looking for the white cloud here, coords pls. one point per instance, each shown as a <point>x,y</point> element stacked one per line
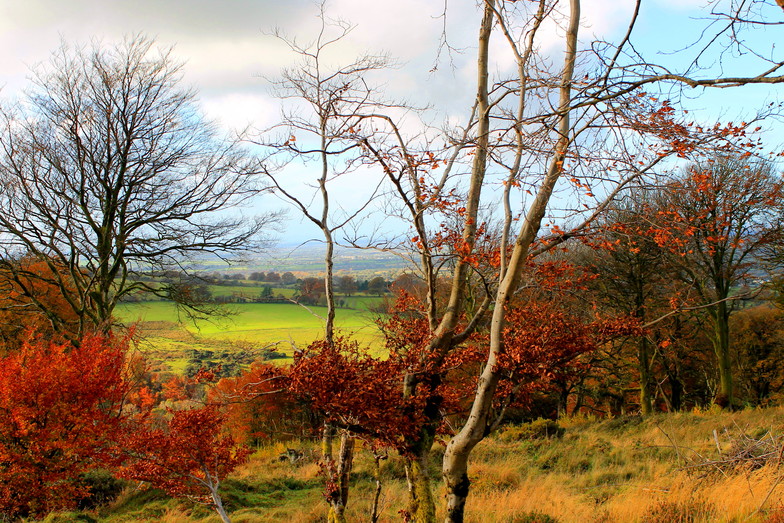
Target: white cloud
<point>238,111</point>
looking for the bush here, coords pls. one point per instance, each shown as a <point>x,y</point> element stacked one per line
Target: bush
<point>104,488</point>
<point>537,429</point>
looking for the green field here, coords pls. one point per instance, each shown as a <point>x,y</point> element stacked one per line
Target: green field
<point>249,291</point>
<point>168,339</point>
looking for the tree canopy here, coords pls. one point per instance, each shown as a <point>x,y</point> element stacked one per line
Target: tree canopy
<point>108,169</point>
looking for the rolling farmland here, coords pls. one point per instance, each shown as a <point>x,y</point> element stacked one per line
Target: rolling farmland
<point>168,339</point>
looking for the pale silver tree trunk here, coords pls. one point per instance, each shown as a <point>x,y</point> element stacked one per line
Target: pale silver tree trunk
<point>218,505</point>
<point>212,482</point>
<point>455,465</point>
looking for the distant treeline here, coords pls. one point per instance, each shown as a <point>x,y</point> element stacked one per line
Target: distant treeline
<point>262,287</point>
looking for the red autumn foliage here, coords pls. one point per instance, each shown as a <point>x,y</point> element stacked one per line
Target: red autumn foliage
<point>540,341</point>
<point>364,395</point>
<point>259,406</point>
<point>353,390</point>
<point>543,345</point>
<point>60,412</point>
<point>188,456</point>
<point>550,332</point>
<point>177,388</point>
<point>19,314</point>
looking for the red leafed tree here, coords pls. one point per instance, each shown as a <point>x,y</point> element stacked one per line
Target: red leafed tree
<point>544,346</point>
<point>188,457</point>
<point>356,393</point>
<point>60,412</point>
<point>727,210</point>
<point>354,390</point>
<point>363,396</point>
<point>30,300</point>
<point>258,405</point>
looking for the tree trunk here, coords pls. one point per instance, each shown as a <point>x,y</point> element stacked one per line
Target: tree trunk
<point>217,504</point>
<point>222,513</point>
<point>336,514</point>
<point>455,465</point>
<point>676,393</point>
<point>457,482</point>
<point>339,499</point>
<point>721,346</point>
<point>563,400</point>
<point>421,504</point>
<point>377,493</point>
<point>345,465</point>
<point>644,357</point>
<point>579,400</point>
<point>329,289</point>
<point>326,442</point>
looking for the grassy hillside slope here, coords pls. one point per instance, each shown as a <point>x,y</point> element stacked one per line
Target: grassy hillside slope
<point>582,470</point>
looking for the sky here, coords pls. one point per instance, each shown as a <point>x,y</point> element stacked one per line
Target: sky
<point>229,51</point>
<point>231,56</point>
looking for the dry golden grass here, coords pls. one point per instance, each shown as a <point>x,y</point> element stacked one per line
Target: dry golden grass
<point>620,470</point>
<point>628,470</point>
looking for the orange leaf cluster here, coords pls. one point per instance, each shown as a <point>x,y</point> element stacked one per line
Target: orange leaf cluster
<point>258,404</point>
<point>19,314</point>
<point>60,414</point>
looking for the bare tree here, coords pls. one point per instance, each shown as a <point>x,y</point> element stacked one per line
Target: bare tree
<point>329,104</point>
<point>107,170</point>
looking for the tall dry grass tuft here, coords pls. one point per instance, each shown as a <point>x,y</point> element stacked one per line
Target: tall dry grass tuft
<point>546,496</point>
<point>180,514</point>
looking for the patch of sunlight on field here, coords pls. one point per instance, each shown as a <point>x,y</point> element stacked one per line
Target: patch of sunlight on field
<point>259,324</point>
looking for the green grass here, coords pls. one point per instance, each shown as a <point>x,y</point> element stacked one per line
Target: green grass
<point>168,337</point>
<point>355,301</point>
<point>361,302</point>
